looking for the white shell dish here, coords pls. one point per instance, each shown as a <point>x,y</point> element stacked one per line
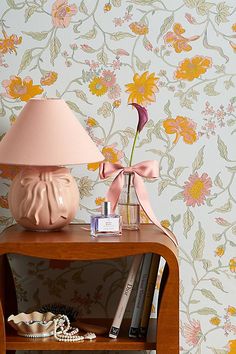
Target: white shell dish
<point>33,324</point>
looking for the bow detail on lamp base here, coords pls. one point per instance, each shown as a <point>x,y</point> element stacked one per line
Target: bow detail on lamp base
<point>43,198</point>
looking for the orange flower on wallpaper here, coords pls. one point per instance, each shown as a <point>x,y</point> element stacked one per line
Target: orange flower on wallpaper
<point>196,189</point>
<point>232,346</point>
<point>8,44</point>
<point>181,126</point>
<point>4,202</point>
<point>139,28</point>
<point>99,201</point>
<point>9,171</point>
<point>177,41</point>
<point>62,13</point>
<point>49,78</point>
<point>233,45</point>
<point>234,27</point>
<point>191,68</point>
<point>142,89</point>
<point>97,87</point>
<point>22,89</point>
<point>91,122</point>
<point>110,153</point>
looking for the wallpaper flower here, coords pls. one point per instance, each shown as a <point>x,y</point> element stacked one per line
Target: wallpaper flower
<point>176,58</point>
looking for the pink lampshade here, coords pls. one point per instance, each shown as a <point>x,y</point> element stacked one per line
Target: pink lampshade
<point>46,133</point>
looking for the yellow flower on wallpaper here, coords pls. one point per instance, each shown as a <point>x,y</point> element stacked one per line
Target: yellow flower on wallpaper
<point>181,126</point>
<point>215,321</point>
<point>177,41</point>
<point>8,44</point>
<point>107,7</point>
<point>234,27</point>
<point>142,89</point>
<point>49,78</point>
<point>97,86</point>
<point>232,265</point>
<point>139,28</point>
<point>91,122</point>
<point>110,153</point>
<point>99,200</point>
<point>231,310</point>
<point>191,68</point>
<point>22,89</point>
<point>62,13</point>
<point>220,250</point>
<point>165,223</point>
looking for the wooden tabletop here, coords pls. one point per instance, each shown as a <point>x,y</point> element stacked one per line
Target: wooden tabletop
<point>75,242</point>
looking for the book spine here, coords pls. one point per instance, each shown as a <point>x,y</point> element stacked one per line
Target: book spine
<point>151,283</point>
<point>134,327</point>
<point>115,327</point>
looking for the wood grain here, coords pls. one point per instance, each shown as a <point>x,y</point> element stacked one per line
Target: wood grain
<point>75,243</point>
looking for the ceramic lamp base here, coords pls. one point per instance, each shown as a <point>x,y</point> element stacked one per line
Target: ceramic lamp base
<point>43,198</point>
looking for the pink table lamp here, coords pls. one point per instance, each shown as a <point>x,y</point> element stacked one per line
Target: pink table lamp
<point>45,137</point>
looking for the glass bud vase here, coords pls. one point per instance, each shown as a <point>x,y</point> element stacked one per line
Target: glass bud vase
<point>128,205</point>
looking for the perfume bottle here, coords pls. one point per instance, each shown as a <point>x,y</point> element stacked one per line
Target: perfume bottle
<point>106,224</point>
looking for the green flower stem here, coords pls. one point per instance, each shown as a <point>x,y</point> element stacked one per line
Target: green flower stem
<point>129,180</point>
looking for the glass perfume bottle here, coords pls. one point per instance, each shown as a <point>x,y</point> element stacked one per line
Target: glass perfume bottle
<point>106,224</point>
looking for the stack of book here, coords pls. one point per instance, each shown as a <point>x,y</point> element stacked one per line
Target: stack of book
<point>148,265</point>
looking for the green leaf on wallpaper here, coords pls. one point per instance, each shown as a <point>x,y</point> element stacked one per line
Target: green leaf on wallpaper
<point>190,3</point>
<point>162,185</point>
<point>233,100</point>
<point>12,4</point>
<point>225,208</point>
<point>130,132</point>
<point>185,102</point>
<point>82,95</point>
<point>116,3</point>
<point>178,171</point>
<point>167,109</point>
<point>105,110</point>
<point>188,220</point>
<point>156,152</point>
<point>83,8</point>
<point>141,65</point>
<point>29,11</point>
<point>208,294</point>
<point>117,36</point>
<point>55,46</point>
<point>207,311</point>
<point>217,283</point>
<point>39,36</point>
<point>2,112</point>
<point>209,89</point>
<point>178,196</point>
<point>219,351</point>
<point>198,161</point>
<point>90,34</point>
<point>234,230</point>
<point>206,264</point>
<point>214,47</point>
<point>168,22</point>
<point>199,244</point>
<point>217,237</point>
<point>26,60</point>
<point>75,108</point>
<point>175,218</point>
<point>193,301</point>
<point>222,148</point>
<point>231,169</point>
<point>218,181</point>
<point>223,11</point>
<point>231,122</point>
<point>170,161</point>
<point>124,140</point>
<point>102,57</point>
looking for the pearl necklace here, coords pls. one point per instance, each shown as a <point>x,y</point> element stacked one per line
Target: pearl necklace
<point>63,332</point>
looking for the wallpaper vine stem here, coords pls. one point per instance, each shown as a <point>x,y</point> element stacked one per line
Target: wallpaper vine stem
<point>176,58</point>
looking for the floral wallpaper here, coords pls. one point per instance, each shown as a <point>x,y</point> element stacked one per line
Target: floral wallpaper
<point>176,58</point>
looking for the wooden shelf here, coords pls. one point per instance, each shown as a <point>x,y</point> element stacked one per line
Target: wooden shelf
<point>15,342</point>
<point>75,243</point>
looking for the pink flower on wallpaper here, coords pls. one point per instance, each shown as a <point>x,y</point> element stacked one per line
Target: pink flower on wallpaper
<point>121,51</point>
<point>114,92</point>
<point>196,189</point>
<point>192,332</point>
<point>62,13</point>
<point>118,21</point>
<point>190,18</point>
<point>108,78</point>
<point>116,64</point>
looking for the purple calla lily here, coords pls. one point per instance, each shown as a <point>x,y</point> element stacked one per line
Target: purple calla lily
<point>142,115</point>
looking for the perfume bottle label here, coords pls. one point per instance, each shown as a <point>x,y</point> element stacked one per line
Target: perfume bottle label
<point>108,224</point>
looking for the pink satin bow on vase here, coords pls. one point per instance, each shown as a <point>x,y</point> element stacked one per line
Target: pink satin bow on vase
<point>147,169</point>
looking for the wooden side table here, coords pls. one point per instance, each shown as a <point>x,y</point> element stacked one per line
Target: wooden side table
<point>75,243</point>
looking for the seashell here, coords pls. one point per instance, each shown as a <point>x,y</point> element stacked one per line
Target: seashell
<point>33,324</point>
